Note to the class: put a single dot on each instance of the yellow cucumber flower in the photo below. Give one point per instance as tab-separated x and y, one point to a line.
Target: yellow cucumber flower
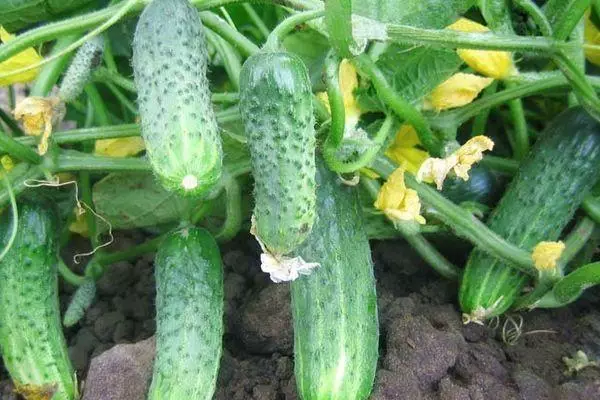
436	169
24	59
348	83
120	147
398	202
403	149
591	36
39	114
456	91
545	255
495	64
7	163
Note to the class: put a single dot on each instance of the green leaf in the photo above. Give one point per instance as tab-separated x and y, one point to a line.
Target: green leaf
134	200
412	72
419	13
421	69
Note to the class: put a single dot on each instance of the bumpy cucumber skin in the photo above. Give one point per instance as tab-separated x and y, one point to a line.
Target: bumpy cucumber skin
277	112
31	339
178	122
82	300
87	58
189	316
539	202
335	307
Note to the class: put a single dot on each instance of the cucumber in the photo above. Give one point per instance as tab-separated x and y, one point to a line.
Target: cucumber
277	113
334	308
482	187
16	14
31	339
82	300
178	122
87	58
189	316
539	202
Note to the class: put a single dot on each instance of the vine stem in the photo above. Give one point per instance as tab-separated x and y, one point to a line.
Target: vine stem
463	222
15	217
287	25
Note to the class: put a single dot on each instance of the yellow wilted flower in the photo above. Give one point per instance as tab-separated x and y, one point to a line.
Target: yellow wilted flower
348	83
436	169
495	64
592	36
24	59
397	201
545	255
120	147
403	149
456	91
38	115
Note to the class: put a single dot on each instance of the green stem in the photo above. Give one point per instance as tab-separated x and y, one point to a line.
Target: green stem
10	123
16	149
15	216
577	238
287	25
48	76
505	165
570	18
71	160
231	35
256	20
338	20
463	222
102	74
461	115
480	41
520	136
230	57
336	101
100	111
591	205
108	56
398	105
233	219
481	119
68	275
584	90
536	15
569	288
366	156
122	98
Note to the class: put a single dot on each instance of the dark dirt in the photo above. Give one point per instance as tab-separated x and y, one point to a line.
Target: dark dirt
426	351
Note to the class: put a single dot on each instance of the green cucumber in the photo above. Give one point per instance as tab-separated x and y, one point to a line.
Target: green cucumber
335	307
539	202
31	339
178	122
16	14
82	300
277	112
482	187
189	316
87	58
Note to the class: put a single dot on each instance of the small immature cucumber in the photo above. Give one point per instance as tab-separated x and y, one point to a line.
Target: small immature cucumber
334	308
87	58
178	122
82	300
189	316
31	339
539	202
277	112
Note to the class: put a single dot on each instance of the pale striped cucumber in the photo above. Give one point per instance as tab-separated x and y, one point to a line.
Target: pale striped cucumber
189	316
277	111
178	122
335	307
87	58
31	339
